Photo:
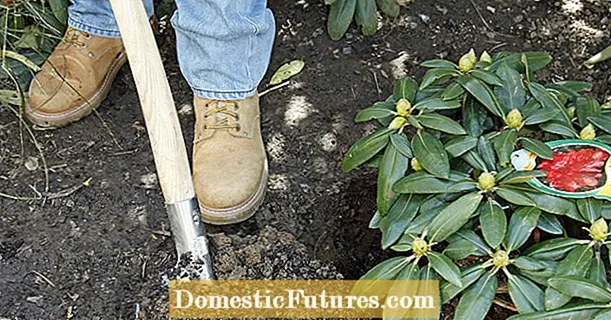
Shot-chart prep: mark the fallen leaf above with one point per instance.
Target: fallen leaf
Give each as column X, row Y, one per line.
column 287, row 71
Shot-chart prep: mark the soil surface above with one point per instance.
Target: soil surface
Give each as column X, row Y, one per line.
column 103, row 250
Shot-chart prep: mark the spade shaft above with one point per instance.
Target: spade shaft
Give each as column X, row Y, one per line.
column 164, row 132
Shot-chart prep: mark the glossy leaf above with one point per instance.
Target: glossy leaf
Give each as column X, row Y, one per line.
column 504, row 144
column 459, row 145
column 511, row 94
column 460, row 249
column 394, row 224
column 575, row 312
column 541, row 115
column 474, row 118
column 528, row 263
column 487, row 77
column 476, row 161
column 576, row 263
column 389, row 7
column 379, row 110
column 365, row 148
column 589, row 208
column 482, row 93
column 438, row 63
column 402, row 144
column 445, row 268
column 493, row 223
column 435, row 75
column 559, row 129
column 525, row 294
column 514, row 196
column 580, row 287
column 537, row 147
column 405, row 88
column 550, row 224
column 603, row 122
column 553, row 249
column 477, row 299
column 471, row 274
column 392, row 168
column 425, row 183
column 441, row 123
column 548, row 100
column 452, row 91
column 521, row 224
column 522, row 176
column 453, row 217
column 431, row 154
column 437, row 104
column 536, row 61
column 586, row 107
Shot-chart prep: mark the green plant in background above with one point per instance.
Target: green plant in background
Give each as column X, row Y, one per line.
column 364, row 12
column 447, row 190
column 30, row 30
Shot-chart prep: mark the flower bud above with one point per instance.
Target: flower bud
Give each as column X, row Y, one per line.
column 416, row 165
column 420, row 247
column 588, row 132
column 397, row 123
column 599, row 229
column 500, row 259
column 468, row 61
column 514, row 119
column 485, row 57
column 486, row 181
column 403, row 107
column 571, row 112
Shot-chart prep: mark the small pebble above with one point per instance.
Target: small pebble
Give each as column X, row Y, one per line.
column 347, row 51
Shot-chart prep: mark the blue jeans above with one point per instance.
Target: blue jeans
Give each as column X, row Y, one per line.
column 224, row 46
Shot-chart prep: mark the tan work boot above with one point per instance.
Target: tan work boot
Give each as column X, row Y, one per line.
column 229, row 161
column 75, row 79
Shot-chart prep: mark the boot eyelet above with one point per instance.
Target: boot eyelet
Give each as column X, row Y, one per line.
column 238, row 128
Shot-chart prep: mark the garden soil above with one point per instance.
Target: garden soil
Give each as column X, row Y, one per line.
column 99, row 246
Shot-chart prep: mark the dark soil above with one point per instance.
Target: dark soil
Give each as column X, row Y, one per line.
column 103, row 251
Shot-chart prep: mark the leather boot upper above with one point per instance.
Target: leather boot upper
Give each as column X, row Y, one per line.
column 75, row 78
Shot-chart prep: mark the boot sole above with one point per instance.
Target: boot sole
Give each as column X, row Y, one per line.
column 56, row 120
column 238, row 213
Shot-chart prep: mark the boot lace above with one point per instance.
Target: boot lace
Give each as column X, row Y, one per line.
column 75, row 37
column 221, row 112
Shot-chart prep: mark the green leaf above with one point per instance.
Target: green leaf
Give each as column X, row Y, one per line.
column 541, row 276
column 537, row 147
column 374, row 223
column 440, row 123
column 379, row 110
column 460, row 249
column 576, row 312
column 453, row 217
column 548, row 100
column 580, row 287
column 60, row 10
column 392, row 168
column 477, row 299
column 487, row 77
column 559, row 128
column 404, row 243
column 389, row 7
column 366, row 16
column 586, row 107
column 528, row 263
column 504, row 144
column 511, row 94
column 459, row 145
column 536, row 60
column 514, row 196
column 425, row 183
column 470, row 236
column 474, row 118
column 399, row 217
column 493, row 223
column 550, row 224
column 438, row 63
column 445, row 268
column 605, row 138
column 402, row 144
column 555, row 205
column 431, row 154
column 603, row 122
column 437, row 104
column 474, row 160
column 597, row 272
column 405, row 88
column 522, row 176
column 523, row 221
column 589, row 208
column 526, row 295
column 387, row 270
column 576, row 263
column 484, row 149
column 286, row 71
column 482, row 93
column 435, row 75
column 471, row 274
column 340, row 17
column 540, row 116
column 553, row 249
column 365, row 148
column 411, row 272
column 453, row 91
column 603, row 315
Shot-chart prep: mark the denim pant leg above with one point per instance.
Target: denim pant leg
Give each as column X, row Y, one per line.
column 224, row 46
column 96, row 17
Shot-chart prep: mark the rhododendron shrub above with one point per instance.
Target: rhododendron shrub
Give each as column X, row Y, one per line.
column 448, row 195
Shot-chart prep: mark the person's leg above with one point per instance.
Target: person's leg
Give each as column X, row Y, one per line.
column 79, row 73
column 224, row 48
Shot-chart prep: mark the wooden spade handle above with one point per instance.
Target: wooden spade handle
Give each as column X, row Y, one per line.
column 156, row 100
